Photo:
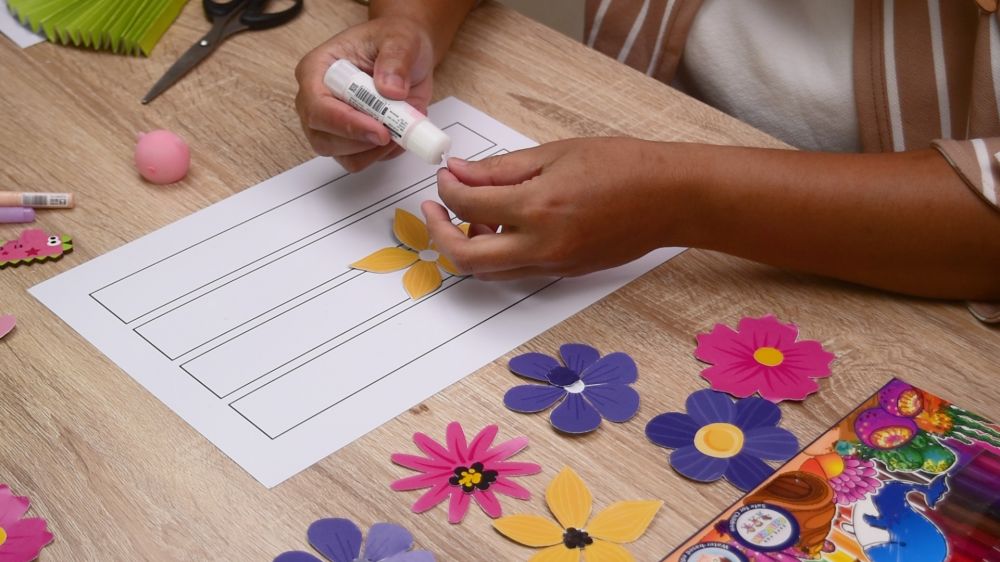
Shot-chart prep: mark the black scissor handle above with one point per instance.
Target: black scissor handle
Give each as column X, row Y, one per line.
column 254, row 15
column 256, row 18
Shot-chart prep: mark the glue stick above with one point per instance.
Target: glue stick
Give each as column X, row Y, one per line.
column 408, row 127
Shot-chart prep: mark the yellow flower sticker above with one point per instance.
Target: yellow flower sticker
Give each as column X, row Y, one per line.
column 573, row 537
column 422, row 276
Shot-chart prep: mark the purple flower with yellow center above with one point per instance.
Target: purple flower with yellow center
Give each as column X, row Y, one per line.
column 718, row 438
column 586, row 386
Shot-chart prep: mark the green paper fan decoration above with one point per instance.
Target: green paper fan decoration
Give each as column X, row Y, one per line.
column 129, row 27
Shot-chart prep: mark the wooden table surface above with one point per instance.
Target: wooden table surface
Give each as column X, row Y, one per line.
column 121, row 478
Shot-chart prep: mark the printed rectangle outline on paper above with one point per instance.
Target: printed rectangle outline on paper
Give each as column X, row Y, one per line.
column 95, row 294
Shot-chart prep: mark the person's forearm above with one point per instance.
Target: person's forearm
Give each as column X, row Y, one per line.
column 440, row 18
column 903, row 222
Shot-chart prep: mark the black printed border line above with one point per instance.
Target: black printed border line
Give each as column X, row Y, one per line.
column 390, row 373
column 262, row 213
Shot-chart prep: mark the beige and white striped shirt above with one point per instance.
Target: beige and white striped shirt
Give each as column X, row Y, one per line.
column 926, row 72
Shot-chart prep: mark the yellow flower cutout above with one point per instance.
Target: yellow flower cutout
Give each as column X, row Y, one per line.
column 599, row 540
column 423, row 276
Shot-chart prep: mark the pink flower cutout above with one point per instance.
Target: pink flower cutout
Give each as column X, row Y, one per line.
column 20, row 539
column 465, row 471
column 762, row 356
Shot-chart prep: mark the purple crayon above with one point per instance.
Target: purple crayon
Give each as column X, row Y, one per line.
column 16, row 214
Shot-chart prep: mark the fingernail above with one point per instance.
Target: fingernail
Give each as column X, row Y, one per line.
column 456, row 162
column 394, row 81
column 374, row 139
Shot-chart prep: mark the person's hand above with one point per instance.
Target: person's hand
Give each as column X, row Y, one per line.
column 398, row 53
column 566, row 208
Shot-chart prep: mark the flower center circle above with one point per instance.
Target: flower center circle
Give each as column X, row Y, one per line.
column 575, row 388
column 768, row 356
column 719, row 440
column 3, row 536
column 428, row 255
column 576, row 538
column 473, row 477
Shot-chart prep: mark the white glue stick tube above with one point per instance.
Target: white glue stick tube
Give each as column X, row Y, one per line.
column 408, row 127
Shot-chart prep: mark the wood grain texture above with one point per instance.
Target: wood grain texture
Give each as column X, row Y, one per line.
column 121, row 478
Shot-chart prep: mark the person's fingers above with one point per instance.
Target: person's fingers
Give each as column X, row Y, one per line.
column 325, row 144
column 397, row 53
column 477, row 229
column 503, row 169
column 518, row 273
column 481, row 254
column 357, row 162
column 486, row 205
column 332, row 116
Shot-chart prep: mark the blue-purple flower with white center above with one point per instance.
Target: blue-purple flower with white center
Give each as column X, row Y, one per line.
column 589, row 387
column 717, row 438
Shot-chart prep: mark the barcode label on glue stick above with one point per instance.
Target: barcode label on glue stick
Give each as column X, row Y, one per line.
column 375, row 106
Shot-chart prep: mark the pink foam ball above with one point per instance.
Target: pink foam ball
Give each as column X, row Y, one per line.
column 162, row 157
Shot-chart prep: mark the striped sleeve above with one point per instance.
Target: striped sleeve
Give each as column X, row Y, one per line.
column 977, row 162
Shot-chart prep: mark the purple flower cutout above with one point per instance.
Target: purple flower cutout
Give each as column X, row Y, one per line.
column 339, row 540
column 718, row 438
column 589, row 387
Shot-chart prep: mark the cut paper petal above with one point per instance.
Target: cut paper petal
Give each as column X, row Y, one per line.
column 613, row 368
column 692, row 463
column 337, row 539
column 752, row 413
column 296, row 556
column 385, row 540
column 446, row 265
column 556, row 554
column 414, row 556
column 575, row 415
column 578, row 356
column 569, row 499
column 623, row 522
column 7, row 323
column 762, row 356
column 410, row 230
column 533, row 366
column 458, row 507
column 420, row 463
column 529, row 530
column 673, row 429
column 421, row 279
column 708, row 406
column 433, row 449
column 530, row 398
column 23, row 539
column 614, row 402
column 512, row 489
column 418, row 482
column 483, row 440
column 603, row 551
column 770, row 443
column 489, row 503
column 746, row 471
column 386, row 260
column 437, row 494
column 458, row 447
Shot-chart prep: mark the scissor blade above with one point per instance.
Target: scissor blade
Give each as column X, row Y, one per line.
column 188, row 60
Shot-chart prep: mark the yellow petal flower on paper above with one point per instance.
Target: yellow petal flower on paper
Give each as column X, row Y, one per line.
column 557, row 554
column 569, row 499
column 386, row 260
column 601, row 551
column 421, row 279
column 623, row 521
column 529, row 530
column 410, row 230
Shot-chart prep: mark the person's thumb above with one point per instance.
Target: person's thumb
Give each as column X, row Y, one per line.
column 394, row 65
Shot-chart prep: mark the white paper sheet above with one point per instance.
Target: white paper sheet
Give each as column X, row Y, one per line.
column 246, row 320
column 20, row 35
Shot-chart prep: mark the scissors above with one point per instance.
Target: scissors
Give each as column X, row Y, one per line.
column 228, row 18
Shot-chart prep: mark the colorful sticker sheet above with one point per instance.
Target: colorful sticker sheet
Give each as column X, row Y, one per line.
column 907, row 476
